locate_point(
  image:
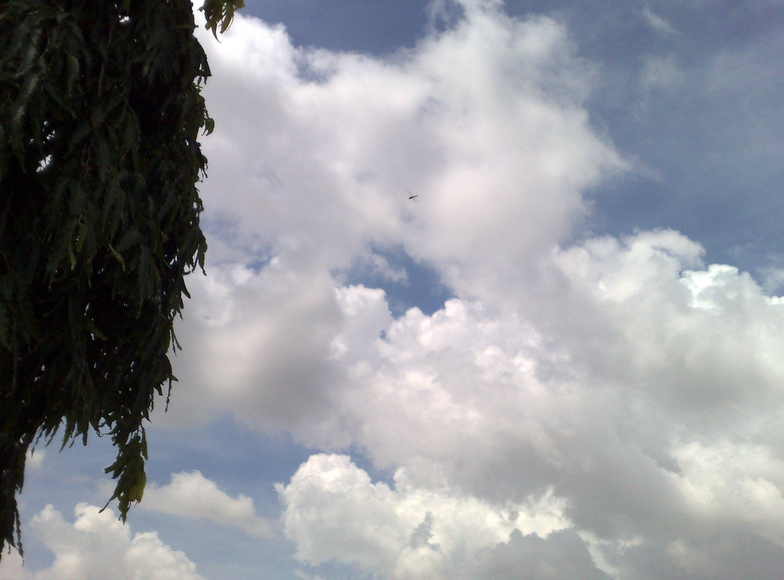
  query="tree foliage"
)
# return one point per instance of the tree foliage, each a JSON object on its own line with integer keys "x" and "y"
{"x": 100, "y": 112}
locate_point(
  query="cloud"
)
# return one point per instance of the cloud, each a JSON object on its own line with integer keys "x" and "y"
{"x": 583, "y": 407}
{"x": 191, "y": 495}
{"x": 617, "y": 394}
{"x": 649, "y": 410}
{"x": 315, "y": 150}
{"x": 35, "y": 459}
{"x": 97, "y": 546}
{"x": 563, "y": 555}
{"x": 309, "y": 169}
{"x": 334, "y": 511}
{"x": 698, "y": 339}
{"x": 658, "y": 23}
{"x": 257, "y": 341}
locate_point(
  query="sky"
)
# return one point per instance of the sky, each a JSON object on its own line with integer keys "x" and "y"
{"x": 563, "y": 358}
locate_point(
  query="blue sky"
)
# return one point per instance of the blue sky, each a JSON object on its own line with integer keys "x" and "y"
{"x": 563, "y": 359}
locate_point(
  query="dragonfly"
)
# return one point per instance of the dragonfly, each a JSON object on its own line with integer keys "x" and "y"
{"x": 412, "y": 196}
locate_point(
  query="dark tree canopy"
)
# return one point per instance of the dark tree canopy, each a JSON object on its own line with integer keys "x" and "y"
{"x": 100, "y": 112}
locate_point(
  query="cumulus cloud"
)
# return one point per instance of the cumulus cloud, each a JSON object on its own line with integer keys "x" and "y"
{"x": 97, "y": 546}
{"x": 316, "y": 150}
{"x": 334, "y": 511}
{"x": 649, "y": 410}
{"x": 697, "y": 339}
{"x": 191, "y": 495}
{"x": 563, "y": 555}
{"x": 583, "y": 407}
{"x": 258, "y": 342}
{"x": 607, "y": 407}
{"x": 309, "y": 172}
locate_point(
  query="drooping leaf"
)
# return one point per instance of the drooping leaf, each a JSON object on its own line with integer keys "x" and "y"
{"x": 100, "y": 112}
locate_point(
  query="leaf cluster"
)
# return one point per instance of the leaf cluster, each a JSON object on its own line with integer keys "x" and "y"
{"x": 220, "y": 13}
{"x": 100, "y": 112}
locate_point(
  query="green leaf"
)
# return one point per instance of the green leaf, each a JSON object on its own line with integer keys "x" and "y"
{"x": 95, "y": 249}
{"x": 209, "y": 125}
{"x": 131, "y": 238}
{"x": 81, "y": 235}
{"x": 117, "y": 256}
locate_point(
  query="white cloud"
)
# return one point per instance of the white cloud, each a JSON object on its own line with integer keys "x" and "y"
{"x": 314, "y": 151}
{"x": 609, "y": 407}
{"x": 35, "y": 459}
{"x": 650, "y": 408}
{"x": 773, "y": 281}
{"x": 658, "y": 23}
{"x": 697, "y": 339}
{"x": 334, "y": 511}
{"x": 381, "y": 267}
{"x": 734, "y": 482}
{"x": 635, "y": 385}
{"x": 191, "y": 495}
{"x": 97, "y": 546}
{"x": 309, "y": 169}
{"x": 257, "y": 343}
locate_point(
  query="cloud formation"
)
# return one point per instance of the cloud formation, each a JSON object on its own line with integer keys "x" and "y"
{"x": 191, "y": 495}
{"x": 583, "y": 407}
{"x": 310, "y": 170}
{"x": 97, "y": 546}
{"x": 632, "y": 385}
{"x": 334, "y": 511}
